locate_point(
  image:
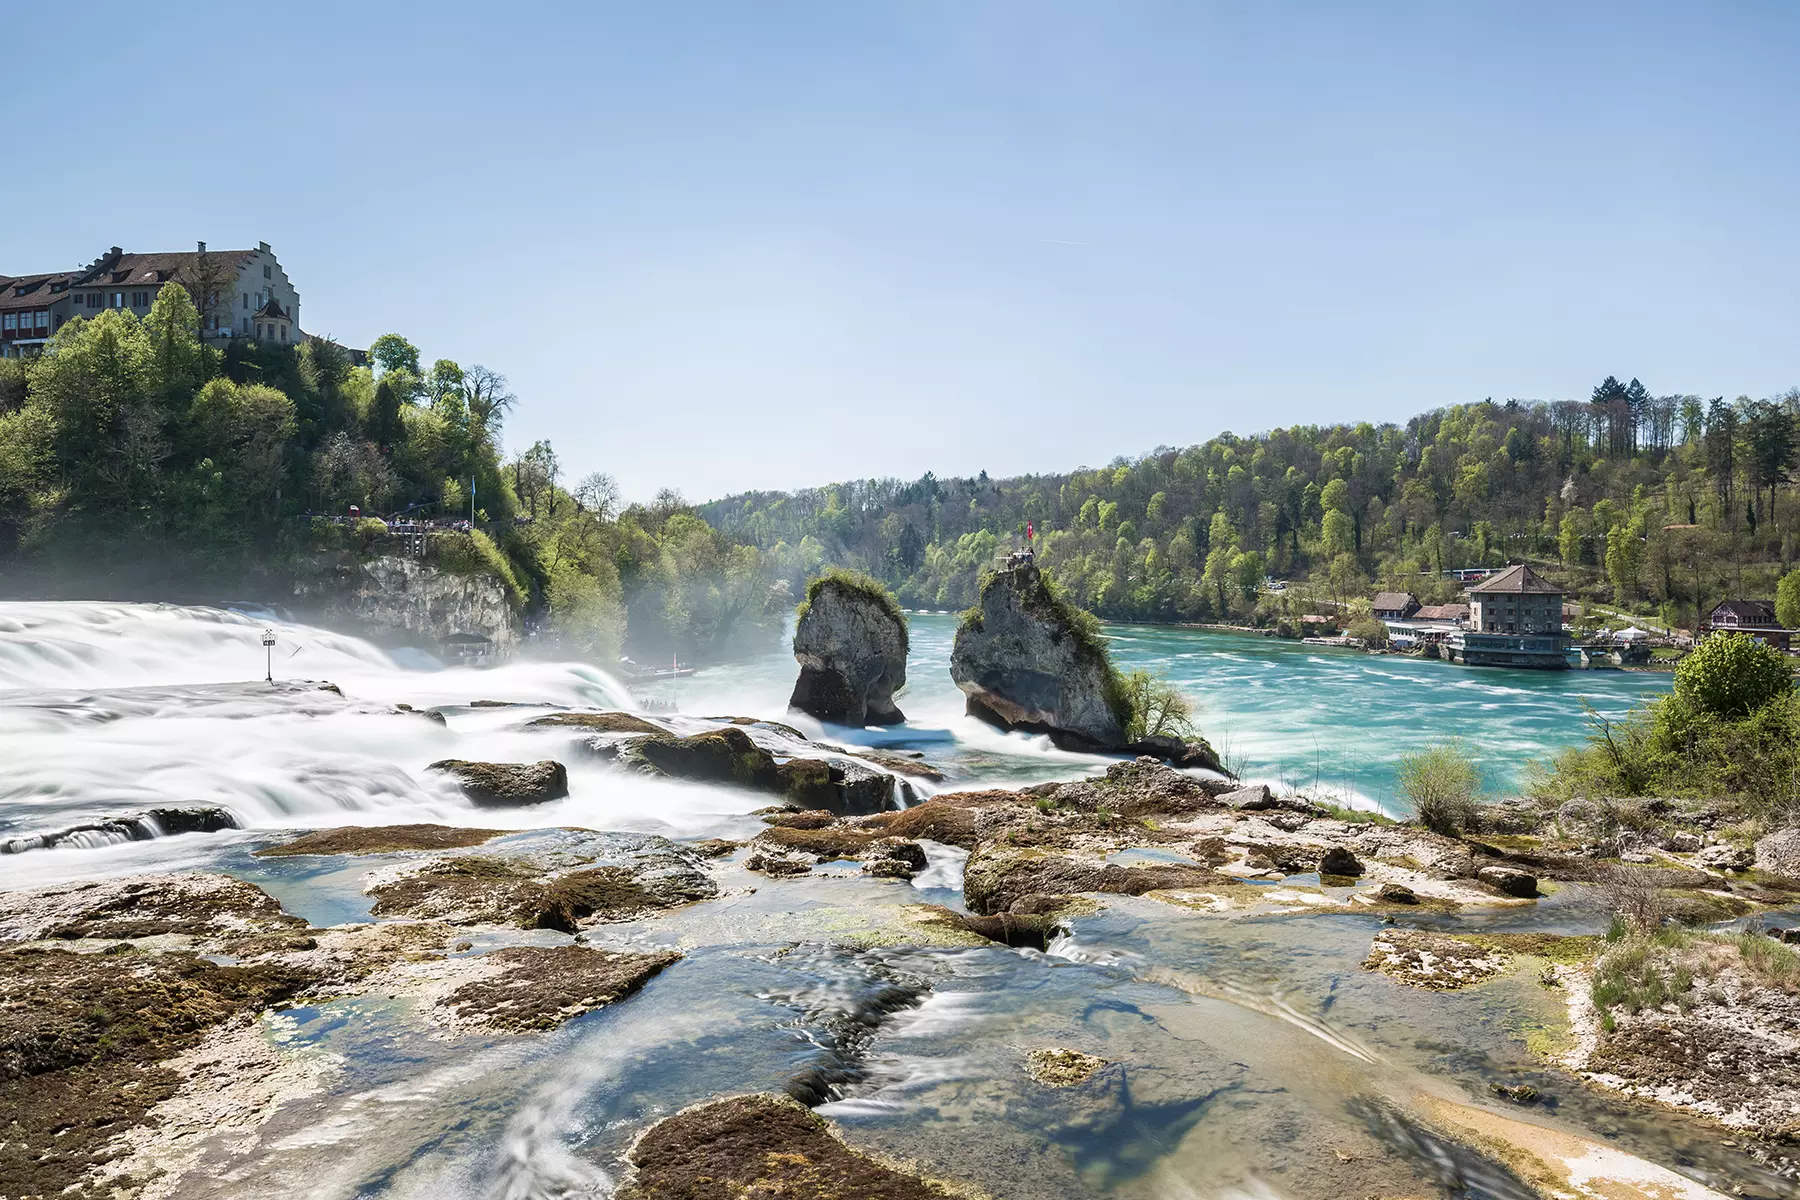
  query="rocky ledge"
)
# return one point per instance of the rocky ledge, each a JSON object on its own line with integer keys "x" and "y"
{"x": 851, "y": 644}
{"x": 129, "y": 1008}
{"x": 806, "y": 774}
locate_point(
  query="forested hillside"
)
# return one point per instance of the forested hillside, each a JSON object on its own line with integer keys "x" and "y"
{"x": 1654, "y": 502}
{"x": 130, "y": 447}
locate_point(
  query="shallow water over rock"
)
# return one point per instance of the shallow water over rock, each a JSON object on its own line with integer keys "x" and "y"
{"x": 1245, "y": 1055}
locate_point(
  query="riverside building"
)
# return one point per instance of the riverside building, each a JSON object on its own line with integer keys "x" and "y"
{"x": 1515, "y": 620}
{"x": 240, "y": 294}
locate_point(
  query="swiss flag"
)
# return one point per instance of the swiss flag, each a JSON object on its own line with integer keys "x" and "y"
{"x": 1028, "y": 531}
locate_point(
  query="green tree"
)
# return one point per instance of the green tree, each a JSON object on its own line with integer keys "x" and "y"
{"x": 1570, "y": 536}
{"x": 1731, "y": 675}
{"x": 1787, "y": 600}
{"x": 391, "y": 352}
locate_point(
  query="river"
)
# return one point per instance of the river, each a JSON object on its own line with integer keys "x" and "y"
{"x": 1254, "y": 1058}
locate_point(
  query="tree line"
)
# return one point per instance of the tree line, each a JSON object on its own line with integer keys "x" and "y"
{"x": 134, "y": 441}
{"x": 1662, "y": 504}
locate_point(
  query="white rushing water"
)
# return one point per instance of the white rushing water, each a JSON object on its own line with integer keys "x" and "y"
{"x": 109, "y": 710}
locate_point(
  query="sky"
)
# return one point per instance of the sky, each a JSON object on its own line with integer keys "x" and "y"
{"x": 730, "y": 246}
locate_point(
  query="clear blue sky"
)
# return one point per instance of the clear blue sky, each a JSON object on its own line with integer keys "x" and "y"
{"x": 721, "y": 246}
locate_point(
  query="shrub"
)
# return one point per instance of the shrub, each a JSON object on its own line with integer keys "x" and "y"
{"x": 1732, "y": 675}
{"x": 474, "y": 553}
{"x": 1369, "y": 631}
{"x": 1634, "y": 896}
{"x": 864, "y": 585}
{"x": 1443, "y": 786}
{"x": 1158, "y": 707}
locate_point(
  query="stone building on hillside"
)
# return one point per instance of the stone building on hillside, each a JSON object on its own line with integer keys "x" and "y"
{"x": 240, "y": 294}
{"x": 1515, "y": 620}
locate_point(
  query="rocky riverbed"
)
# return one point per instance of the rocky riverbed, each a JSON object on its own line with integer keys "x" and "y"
{"x": 139, "y": 1012}
{"x": 372, "y": 941}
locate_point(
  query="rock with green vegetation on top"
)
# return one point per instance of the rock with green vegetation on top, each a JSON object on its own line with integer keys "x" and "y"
{"x": 1026, "y": 659}
{"x": 851, "y": 644}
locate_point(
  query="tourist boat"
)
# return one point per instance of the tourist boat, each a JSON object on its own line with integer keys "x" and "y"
{"x": 639, "y": 673}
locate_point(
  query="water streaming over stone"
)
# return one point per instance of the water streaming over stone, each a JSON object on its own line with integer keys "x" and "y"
{"x": 1247, "y": 1058}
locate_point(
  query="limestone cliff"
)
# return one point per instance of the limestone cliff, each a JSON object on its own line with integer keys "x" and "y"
{"x": 407, "y": 599}
{"x": 851, "y": 645}
{"x": 1025, "y": 662}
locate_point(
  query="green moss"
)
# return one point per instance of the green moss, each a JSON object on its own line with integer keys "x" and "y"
{"x": 863, "y": 585}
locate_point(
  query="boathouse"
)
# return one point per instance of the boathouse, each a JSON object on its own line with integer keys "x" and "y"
{"x": 1515, "y": 620}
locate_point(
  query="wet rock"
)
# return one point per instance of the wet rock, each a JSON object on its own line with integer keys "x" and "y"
{"x": 430, "y": 714}
{"x": 380, "y": 839}
{"x": 553, "y": 879}
{"x": 1518, "y": 1093}
{"x": 1338, "y": 861}
{"x": 755, "y": 1146}
{"x": 714, "y": 847}
{"x": 1436, "y": 961}
{"x": 841, "y": 785}
{"x": 779, "y": 865}
{"x": 902, "y": 764}
{"x": 82, "y": 1040}
{"x": 130, "y": 827}
{"x": 995, "y": 877}
{"x": 720, "y": 756}
{"x": 1778, "y": 853}
{"x": 1060, "y": 1067}
{"x": 894, "y": 858}
{"x": 939, "y": 819}
{"x": 1724, "y": 856}
{"x": 825, "y": 844}
{"x": 1509, "y": 881}
{"x": 143, "y": 906}
{"x": 1027, "y": 930}
{"x": 507, "y": 785}
{"x": 1026, "y": 660}
{"x": 598, "y": 722}
{"x": 525, "y": 988}
{"x": 810, "y": 818}
{"x": 851, "y": 644}
{"x": 1396, "y": 893}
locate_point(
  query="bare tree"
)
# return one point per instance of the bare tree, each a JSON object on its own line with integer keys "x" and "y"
{"x": 211, "y": 283}
{"x": 599, "y": 494}
{"x": 488, "y": 400}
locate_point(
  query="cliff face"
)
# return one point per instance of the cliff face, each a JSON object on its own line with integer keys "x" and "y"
{"x": 1022, "y": 666}
{"x": 409, "y": 599}
{"x": 852, "y": 654}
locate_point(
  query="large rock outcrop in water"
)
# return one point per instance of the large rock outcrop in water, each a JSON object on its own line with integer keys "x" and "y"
{"x": 1025, "y": 661}
{"x": 1030, "y": 661}
{"x": 851, "y": 644}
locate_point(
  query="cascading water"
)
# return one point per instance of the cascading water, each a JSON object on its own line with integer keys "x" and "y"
{"x": 1242, "y": 1056}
